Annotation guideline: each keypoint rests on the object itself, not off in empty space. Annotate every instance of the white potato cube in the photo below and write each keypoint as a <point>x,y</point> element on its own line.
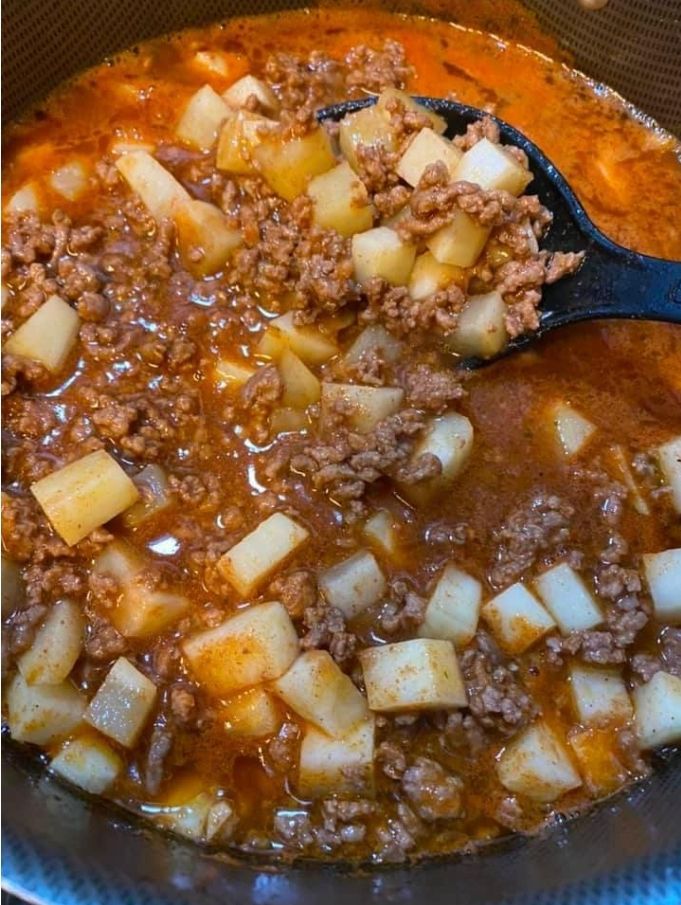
<point>262,551</point>
<point>340,201</point>
<point>56,646</point>
<point>453,609</point>
<point>481,328</point>
<point>123,703</point>
<point>287,421</point>
<point>381,253</point>
<point>369,126</point>
<point>142,611</point>
<point>330,766</point>
<point>600,695</point>
<point>354,584</point>
<point>319,691</point>
<point>301,387</point>
<point>233,373</point>
<point>70,180</point>
<point>380,531</point>
<point>203,818</point>
<point>48,336</point>
<point>430,276</point>
<point>491,167</point>
<point>308,343</point>
<point>152,483</point>
<point>84,495</point>
<point>657,706</point>
<point>567,598</point>
<point>536,764</point>
<point>238,94</point>
<point>669,455</point>
<point>205,239</point>
<point>374,339</point>
<point>663,574</point>
<point>254,646</point>
<point>595,750</point>
<point>517,618</point>
<point>363,407</point>
<point>251,714</point>
<point>41,714</point>
<point>460,242</point>
<point>287,166</point>
<point>425,149</point>
<point>203,116</point>
<point>25,199</point>
<point>573,431</point>
<point>213,62</point>
<point>239,137</point>
<point>422,674</point>
<point>88,763</point>
<point>160,192</point>
<point>450,439</point>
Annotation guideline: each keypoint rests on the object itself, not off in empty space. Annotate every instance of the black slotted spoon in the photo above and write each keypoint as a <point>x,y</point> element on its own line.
<point>612,282</point>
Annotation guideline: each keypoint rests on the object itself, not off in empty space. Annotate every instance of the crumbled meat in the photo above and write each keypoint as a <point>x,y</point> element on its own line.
<point>297,591</point>
<point>646,665</point>
<point>281,750</point>
<point>375,70</point>
<point>258,396</point>
<point>402,315</point>
<point>294,828</point>
<point>303,86</point>
<point>433,792</point>
<point>398,835</point>
<point>623,620</point>
<point>392,758</point>
<point>326,629</point>
<point>403,611</point>
<point>475,132</point>
<point>431,389</point>
<point>103,642</point>
<point>160,746</point>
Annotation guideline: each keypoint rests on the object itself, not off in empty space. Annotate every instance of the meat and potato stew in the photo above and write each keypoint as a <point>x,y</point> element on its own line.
<point>278,574</point>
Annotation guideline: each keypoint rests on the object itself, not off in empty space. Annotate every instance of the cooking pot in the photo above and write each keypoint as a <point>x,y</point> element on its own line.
<point>61,848</point>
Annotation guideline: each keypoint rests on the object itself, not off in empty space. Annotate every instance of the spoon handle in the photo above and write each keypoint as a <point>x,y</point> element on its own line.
<point>614,282</point>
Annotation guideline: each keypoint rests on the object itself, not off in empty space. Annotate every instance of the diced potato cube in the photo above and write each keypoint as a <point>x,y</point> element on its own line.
<point>430,276</point>
<point>88,763</point>
<point>517,618</point>
<point>330,766</point>
<point>663,574</point>
<point>70,180</point>
<point>160,192</point>
<point>369,126</point>
<point>84,495</point>
<point>460,242</point>
<point>204,236</point>
<point>252,714</point>
<point>422,674</point>
<point>239,137</point>
<point>301,387</point>
<point>287,421</point>
<point>450,438</point>
<point>354,584</point>
<point>152,483</point>
<point>11,586</point>
<point>142,611</point>
<point>453,608</point>
<point>573,431</point>
<point>363,407</point>
<point>491,167</point>
<point>619,466</point>
<point>374,339</point>
<point>596,754</point>
<point>262,551</point>
<point>56,646</point>
<point>319,691</point>
<point>388,96</point>
<point>25,199</point>
<point>238,94</point>
<point>254,646</point>
<point>40,714</point>
<point>233,373</point>
<point>48,336</point>
<point>340,201</point>
<point>308,343</point>
<point>379,530</point>
<point>425,149</point>
<point>669,455</point>
<point>481,328</point>
<point>657,706</point>
<point>204,818</point>
<point>600,695</point>
<point>129,147</point>
<point>202,118</point>
<point>567,598</point>
<point>381,253</point>
<point>536,764</point>
<point>213,62</point>
<point>288,166</point>
<point>123,703</point>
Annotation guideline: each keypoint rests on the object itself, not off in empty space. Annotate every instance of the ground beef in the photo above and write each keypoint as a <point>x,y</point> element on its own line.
<point>496,697</point>
<point>431,389</point>
<point>326,629</point>
<point>303,86</point>
<point>475,132</point>
<point>297,591</point>
<point>257,398</point>
<point>377,168</point>
<point>460,730</point>
<point>433,793</point>
<point>541,527</point>
<point>669,660</point>
<point>403,611</point>
<point>160,746</point>
<point>375,70</point>
<point>392,758</point>
<point>294,829</point>
<point>281,751</point>
<point>402,315</point>
<point>19,630</point>
<point>520,282</point>
<point>397,836</point>
<point>624,619</point>
<point>103,642</point>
